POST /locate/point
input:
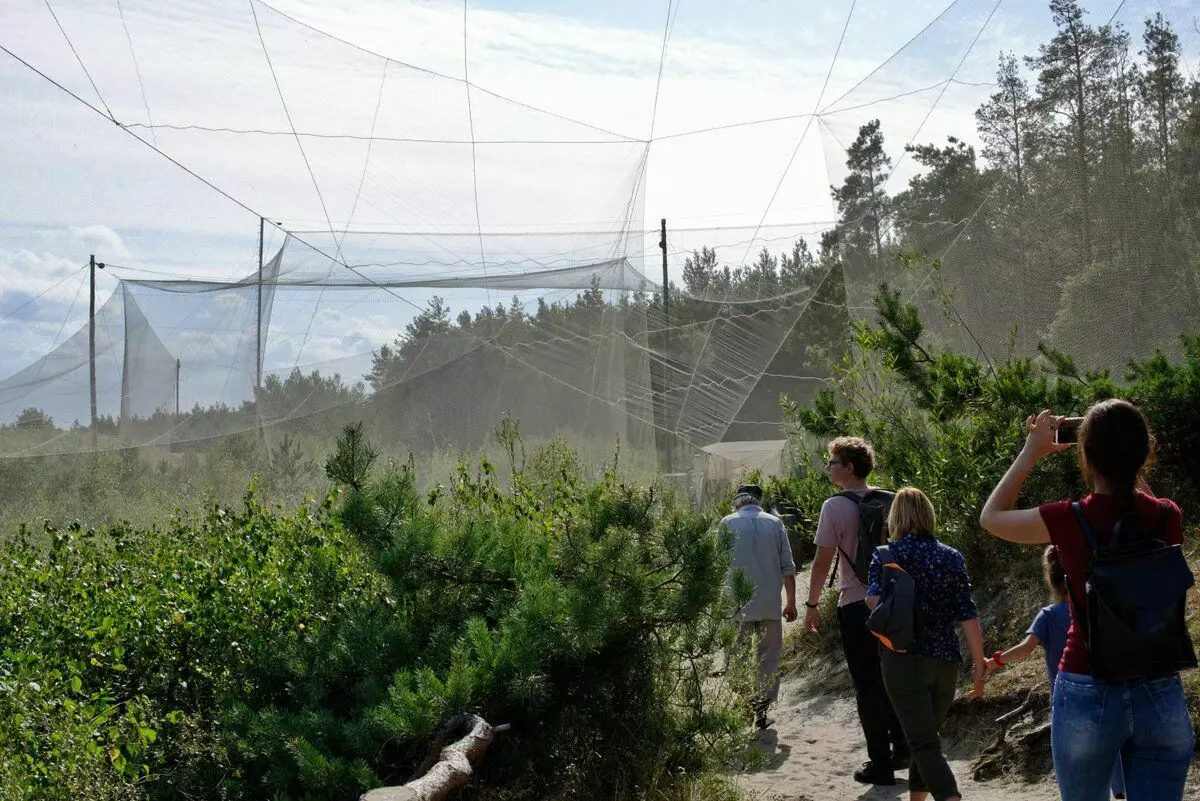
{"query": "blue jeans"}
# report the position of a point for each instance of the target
(1145, 724)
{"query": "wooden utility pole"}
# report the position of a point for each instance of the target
(668, 461)
(258, 338)
(92, 265)
(178, 365)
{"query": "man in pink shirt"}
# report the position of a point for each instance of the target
(851, 460)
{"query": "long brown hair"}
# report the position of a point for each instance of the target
(1056, 575)
(1115, 443)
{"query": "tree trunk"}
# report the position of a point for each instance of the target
(445, 769)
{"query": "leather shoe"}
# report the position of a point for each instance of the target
(872, 773)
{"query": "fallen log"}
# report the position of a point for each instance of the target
(448, 767)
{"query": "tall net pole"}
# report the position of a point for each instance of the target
(92, 340)
(668, 461)
(92, 265)
(258, 318)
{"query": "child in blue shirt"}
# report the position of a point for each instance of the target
(1049, 630)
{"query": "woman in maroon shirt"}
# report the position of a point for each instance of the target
(1143, 723)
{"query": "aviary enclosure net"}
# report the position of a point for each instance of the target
(453, 230)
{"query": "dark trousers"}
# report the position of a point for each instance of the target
(880, 725)
(922, 689)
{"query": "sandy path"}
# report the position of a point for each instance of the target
(816, 745)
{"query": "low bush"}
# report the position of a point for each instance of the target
(250, 653)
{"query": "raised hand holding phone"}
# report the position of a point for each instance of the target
(1041, 438)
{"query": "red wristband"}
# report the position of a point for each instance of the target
(996, 657)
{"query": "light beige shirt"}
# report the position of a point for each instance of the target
(838, 528)
(761, 549)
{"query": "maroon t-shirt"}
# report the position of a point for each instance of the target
(1075, 553)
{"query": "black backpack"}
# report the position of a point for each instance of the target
(873, 508)
(894, 619)
(1136, 594)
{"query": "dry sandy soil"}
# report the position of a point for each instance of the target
(816, 745)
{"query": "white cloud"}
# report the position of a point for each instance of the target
(100, 238)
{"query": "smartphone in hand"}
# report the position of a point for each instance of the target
(1067, 431)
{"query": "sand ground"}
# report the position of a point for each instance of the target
(816, 745)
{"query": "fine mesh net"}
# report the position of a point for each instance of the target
(464, 206)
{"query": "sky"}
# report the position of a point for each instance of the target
(578, 125)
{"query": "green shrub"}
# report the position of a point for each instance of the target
(250, 653)
(951, 424)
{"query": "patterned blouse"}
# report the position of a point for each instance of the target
(943, 592)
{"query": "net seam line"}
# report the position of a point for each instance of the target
(783, 339)
(807, 127)
(428, 71)
(82, 66)
(372, 138)
(136, 68)
(474, 160)
(822, 113)
(898, 51)
(39, 295)
(312, 176)
(941, 94)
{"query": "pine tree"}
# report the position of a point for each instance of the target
(940, 203)
(1006, 124)
(862, 201)
(516, 310)
(1075, 72)
(1188, 172)
(698, 271)
(1161, 87)
(796, 270)
(761, 278)
(389, 362)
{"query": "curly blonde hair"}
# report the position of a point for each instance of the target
(856, 452)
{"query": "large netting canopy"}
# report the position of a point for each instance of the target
(427, 215)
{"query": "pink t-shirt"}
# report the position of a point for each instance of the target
(838, 528)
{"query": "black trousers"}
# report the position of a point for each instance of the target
(922, 688)
(880, 725)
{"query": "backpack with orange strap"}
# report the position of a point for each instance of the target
(894, 619)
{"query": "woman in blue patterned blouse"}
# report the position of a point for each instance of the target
(921, 681)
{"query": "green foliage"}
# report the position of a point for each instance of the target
(34, 418)
(125, 647)
(251, 654)
(950, 423)
(353, 459)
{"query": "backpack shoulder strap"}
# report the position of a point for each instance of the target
(1080, 616)
(854, 496)
(885, 558)
(1085, 524)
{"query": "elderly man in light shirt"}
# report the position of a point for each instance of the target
(762, 551)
